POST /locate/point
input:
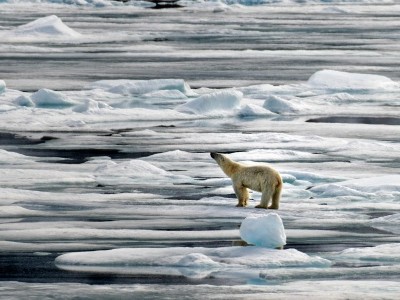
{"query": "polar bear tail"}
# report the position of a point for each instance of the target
(276, 196)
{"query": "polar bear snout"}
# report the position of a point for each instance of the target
(217, 156)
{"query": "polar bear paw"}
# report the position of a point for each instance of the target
(261, 206)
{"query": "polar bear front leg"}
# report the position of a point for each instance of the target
(265, 198)
(242, 195)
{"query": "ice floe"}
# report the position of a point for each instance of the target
(12, 158)
(45, 98)
(279, 105)
(384, 253)
(174, 99)
(253, 110)
(141, 87)
(91, 106)
(196, 257)
(264, 231)
(335, 80)
(360, 187)
(218, 102)
(48, 26)
(134, 171)
(389, 223)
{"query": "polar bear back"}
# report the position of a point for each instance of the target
(256, 178)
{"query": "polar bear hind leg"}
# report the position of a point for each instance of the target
(265, 198)
(276, 197)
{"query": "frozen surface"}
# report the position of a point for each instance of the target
(109, 111)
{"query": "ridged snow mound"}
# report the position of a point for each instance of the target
(16, 158)
(279, 105)
(383, 253)
(132, 168)
(46, 98)
(134, 171)
(48, 26)
(226, 100)
(91, 106)
(142, 87)
(335, 80)
(363, 187)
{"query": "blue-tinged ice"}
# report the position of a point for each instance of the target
(265, 231)
(2, 86)
(226, 100)
(280, 105)
(46, 98)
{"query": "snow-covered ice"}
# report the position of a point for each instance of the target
(203, 258)
(50, 26)
(335, 80)
(382, 254)
(153, 185)
(174, 100)
(223, 102)
(109, 111)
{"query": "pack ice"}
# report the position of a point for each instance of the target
(330, 182)
(191, 262)
(264, 231)
(326, 92)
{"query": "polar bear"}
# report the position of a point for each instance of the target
(258, 178)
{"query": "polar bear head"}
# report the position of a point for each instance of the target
(226, 164)
(218, 157)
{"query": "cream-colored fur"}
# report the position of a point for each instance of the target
(259, 178)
